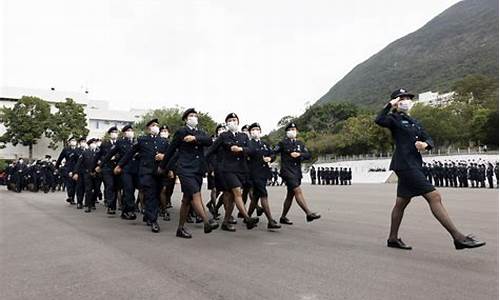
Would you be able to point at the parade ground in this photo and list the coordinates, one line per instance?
(50, 250)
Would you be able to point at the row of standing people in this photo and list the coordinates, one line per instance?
(461, 173)
(330, 175)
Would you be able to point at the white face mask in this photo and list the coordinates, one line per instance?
(113, 135)
(98, 144)
(21, 161)
(192, 121)
(129, 134)
(164, 134)
(255, 134)
(154, 129)
(93, 146)
(404, 105)
(291, 134)
(232, 126)
(72, 143)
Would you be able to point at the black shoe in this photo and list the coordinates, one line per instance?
(312, 216)
(232, 221)
(72, 203)
(182, 233)
(260, 211)
(169, 205)
(79, 206)
(399, 244)
(228, 227)
(109, 211)
(166, 217)
(198, 220)
(189, 219)
(240, 216)
(144, 219)
(469, 242)
(273, 225)
(113, 211)
(155, 227)
(128, 216)
(252, 222)
(88, 209)
(148, 223)
(162, 213)
(284, 220)
(211, 225)
(68, 200)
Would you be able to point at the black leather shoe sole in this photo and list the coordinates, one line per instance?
(460, 246)
(397, 245)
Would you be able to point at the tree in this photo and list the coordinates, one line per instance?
(172, 117)
(26, 122)
(69, 120)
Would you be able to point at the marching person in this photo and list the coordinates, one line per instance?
(129, 176)
(79, 186)
(411, 138)
(292, 153)
(167, 182)
(148, 148)
(85, 167)
(261, 155)
(111, 181)
(189, 141)
(70, 156)
(234, 170)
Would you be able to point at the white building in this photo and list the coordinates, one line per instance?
(99, 117)
(435, 99)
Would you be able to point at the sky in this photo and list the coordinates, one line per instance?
(260, 59)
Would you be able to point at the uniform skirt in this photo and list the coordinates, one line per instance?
(259, 187)
(412, 182)
(190, 184)
(234, 180)
(292, 182)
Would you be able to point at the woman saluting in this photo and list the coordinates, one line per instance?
(411, 138)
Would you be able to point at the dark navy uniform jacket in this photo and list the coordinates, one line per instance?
(147, 146)
(104, 149)
(291, 167)
(405, 132)
(232, 162)
(70, 156)
(257, 150)
(87, 161)
(118, 151)
(189, 158)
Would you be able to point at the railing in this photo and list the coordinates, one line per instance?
(328, 158)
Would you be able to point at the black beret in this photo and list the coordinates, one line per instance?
(90, 141)
(82, 139)
(245, 127)
(400, 93)
(152, 121)
(230, 116)
(163, 127)
(219, 126)
(48, 156)
(253, 125)
(187, 112)
(112, 129)
(72, 138)
(127, 127)
(291, 125)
